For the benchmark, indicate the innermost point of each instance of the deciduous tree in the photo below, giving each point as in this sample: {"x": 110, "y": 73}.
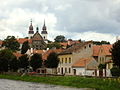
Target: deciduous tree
{"x": 52, "y": 60}
{"x": 11, "y": 43}
{"x": 25, "y": 47}
{"x": 36, "y": 61}
{"x": 115, "y": 51}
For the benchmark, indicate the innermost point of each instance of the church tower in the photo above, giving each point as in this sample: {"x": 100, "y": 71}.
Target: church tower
{"x": 30, "y": 32}
{"x": 44, "y": 32}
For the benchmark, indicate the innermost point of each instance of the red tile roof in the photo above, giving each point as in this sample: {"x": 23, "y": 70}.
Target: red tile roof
{"x": 96, "y": 50}
{"x": 46, "y": 54}
{"x": 107, "y": 49}
{"x": 104, "y": 48}
{"x": 38, "y": 51}
{"x": 1, "y": 42}
{"x": 75, "y": 47}
{"x": 64, "y": 43}
{"x": 22, "y": 40}
{"x": 82, "y": 62}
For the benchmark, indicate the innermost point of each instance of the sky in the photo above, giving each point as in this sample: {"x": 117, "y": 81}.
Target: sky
{"x": 75, "y": 19}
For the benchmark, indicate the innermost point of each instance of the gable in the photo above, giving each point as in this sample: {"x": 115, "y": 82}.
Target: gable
{"x": 37, "y": 36}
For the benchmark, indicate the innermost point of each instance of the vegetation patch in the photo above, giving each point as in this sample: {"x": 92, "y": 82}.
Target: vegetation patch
{"x": 72, "y": 81}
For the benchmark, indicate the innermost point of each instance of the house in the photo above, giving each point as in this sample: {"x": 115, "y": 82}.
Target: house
{"x": 85, "y": 66}
{"x": 102, "y": 55}
{"x": 72, "y": 55}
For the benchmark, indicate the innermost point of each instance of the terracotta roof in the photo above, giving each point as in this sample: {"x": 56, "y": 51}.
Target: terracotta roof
{"x": 75, "y": 47}
{"x": 46, "y": 54}
{"x": 107, "y": 49}
{"x": 18, "y": 54}
{"x": 82, "y": 62}
{"x": 96, "y": 50}
{"x": 22, "y": 40}
{"x": 38, "y": 51}
{"x": 1, "y": 42}
{"x": 64, "y": 43}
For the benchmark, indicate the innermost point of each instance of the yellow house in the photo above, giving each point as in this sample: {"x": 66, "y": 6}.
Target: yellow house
{"x": 72, "y": 55}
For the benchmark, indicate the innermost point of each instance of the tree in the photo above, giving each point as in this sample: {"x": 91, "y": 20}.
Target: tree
{"x": 6, "y": 56}
{"x": 25, "y": 47}
{"x": 36, "y": 61}
{"x": 102, "y": 66}
{"x": 14, "y": 64}
{"x": 100, "y": 43}
{"x": 54, "y": 44}
{"x": 23, "y": 61}
{"x": 115, "y": 51}
{"x": 11, "y": 43}
{"x": 60, "y": 38}
{"x": 52, "y": 60}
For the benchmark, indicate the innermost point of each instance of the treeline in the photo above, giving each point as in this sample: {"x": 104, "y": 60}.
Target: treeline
{"x": 9, "y": 62}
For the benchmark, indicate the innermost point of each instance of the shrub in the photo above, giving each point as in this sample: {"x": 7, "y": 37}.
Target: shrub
{"x": 115, "y": 71}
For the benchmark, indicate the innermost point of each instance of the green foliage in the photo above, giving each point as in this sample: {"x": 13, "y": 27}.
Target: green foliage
{"x": 23, "y": 61}
{"x": 14, "y": 64}
{"x": 100, "y": 43}
{"x": 102, "y": 66}
{"x": 116, "y": 53}
{"x": 36, "y": 61}
{"x": 115, "y": 71}
{"x": 60, "y": 38}
{"x": 52, "y": 60}
{"x": 25, "y": 47}
{"x": 11, "y": 43}
{"x": 52, "y": 45}
{"x": 6, "y": 56}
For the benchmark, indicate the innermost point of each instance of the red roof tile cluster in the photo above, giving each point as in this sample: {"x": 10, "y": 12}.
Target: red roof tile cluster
{"x": 46, "y": 54}
{"x": 75, "y": 47}
{"x": 96, "y": 50}
{"x": 22, "y": 40}
{"x": 82, "y": 62}
{"x": 1, "y": 42}
{"x": 105, "y": 49}
{"x": 38, "y": 51}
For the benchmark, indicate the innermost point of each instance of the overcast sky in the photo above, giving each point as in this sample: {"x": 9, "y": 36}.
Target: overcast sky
{"x": 75, "y": 19}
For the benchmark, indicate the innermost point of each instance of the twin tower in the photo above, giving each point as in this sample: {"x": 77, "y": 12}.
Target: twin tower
{"x": 43, "y": 32}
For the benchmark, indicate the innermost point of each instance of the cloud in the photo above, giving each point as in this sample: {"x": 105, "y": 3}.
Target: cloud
{"x": 72, "y": 18}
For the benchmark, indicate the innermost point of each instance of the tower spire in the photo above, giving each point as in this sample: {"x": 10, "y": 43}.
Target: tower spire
{"x": 30, "y": 32}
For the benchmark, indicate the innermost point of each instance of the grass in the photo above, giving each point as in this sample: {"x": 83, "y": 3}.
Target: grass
{"x": 72, "y": 81}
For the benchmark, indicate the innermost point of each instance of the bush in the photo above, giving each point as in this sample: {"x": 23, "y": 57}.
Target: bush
{"x": 115, "y": 71}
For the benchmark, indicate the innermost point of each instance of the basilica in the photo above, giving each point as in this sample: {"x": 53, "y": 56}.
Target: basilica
{"x": 36, "y": 40}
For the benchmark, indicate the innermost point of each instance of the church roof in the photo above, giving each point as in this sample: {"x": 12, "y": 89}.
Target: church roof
{"x": 37, "y": 36}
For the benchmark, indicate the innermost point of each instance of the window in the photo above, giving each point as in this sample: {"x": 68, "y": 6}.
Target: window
{"x": 65, "y": 70}
{"x": 69, "y": 60}
{"x": 62, "y": 60}
{"x": 69, "y": 70}
{"x": 89, "y": 45}
{"x": 65, "y": 60}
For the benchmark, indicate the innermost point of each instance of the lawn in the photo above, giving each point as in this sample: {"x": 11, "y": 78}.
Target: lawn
{"x": 72, "y": 81}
